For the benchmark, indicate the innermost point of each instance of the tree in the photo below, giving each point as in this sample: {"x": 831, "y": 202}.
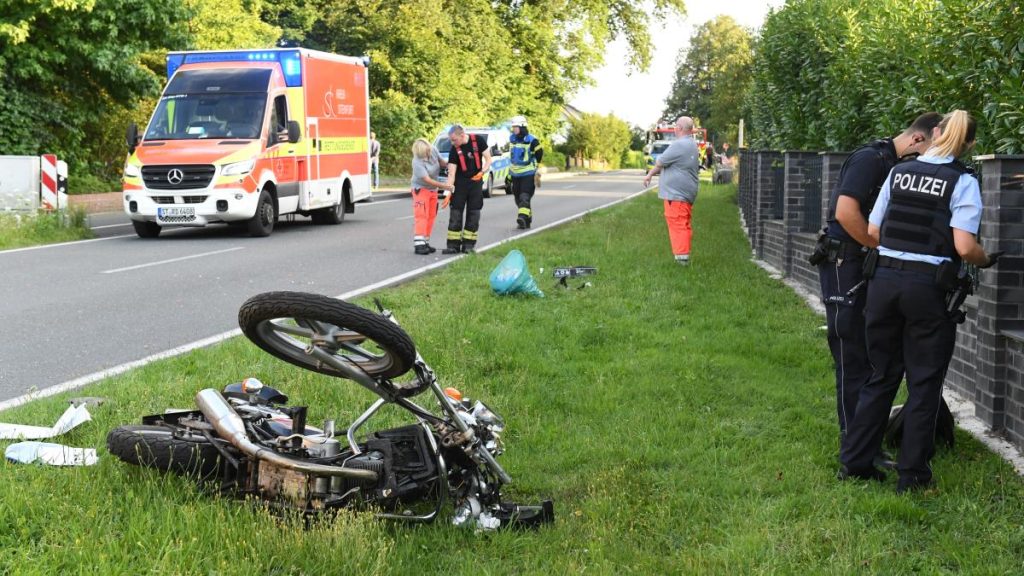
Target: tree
{"x": 64, "y": 64}
{"x": 713, "y": 77}
{"x": 597, "y": 137}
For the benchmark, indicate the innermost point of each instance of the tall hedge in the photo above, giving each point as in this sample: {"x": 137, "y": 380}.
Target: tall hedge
{"x": 835, "y": 73}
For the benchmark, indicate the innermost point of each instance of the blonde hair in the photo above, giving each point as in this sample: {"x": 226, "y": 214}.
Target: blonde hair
{"x": 421, "y": 148}
{"x": 957, "y": 134}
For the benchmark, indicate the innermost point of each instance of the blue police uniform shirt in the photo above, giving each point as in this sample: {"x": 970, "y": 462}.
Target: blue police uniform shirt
{"x": 965, "y": 206}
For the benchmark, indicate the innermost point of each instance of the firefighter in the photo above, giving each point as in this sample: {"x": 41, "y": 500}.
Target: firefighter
{"x": 840, "y": 255}
{"x": 468, "y": 162}
{"x": 527, "y": 153}
{"x": 924, "y": 221}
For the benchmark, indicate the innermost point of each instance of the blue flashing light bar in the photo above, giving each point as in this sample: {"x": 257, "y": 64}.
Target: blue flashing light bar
{"x": 290, "y": 61}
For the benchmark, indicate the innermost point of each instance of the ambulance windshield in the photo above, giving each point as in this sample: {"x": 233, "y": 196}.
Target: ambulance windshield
{"x": 190, "y": 117}
{"x": 211, "y": 103}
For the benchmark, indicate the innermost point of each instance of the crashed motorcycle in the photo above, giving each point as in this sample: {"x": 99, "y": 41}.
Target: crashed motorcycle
{"x": 248, "y": 440}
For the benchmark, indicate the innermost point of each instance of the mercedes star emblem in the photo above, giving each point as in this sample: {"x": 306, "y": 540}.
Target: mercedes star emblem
{"x": 175, "y": 176}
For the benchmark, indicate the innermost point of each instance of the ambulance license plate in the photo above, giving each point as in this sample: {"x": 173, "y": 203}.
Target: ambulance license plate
{"x": 175, "y": 212}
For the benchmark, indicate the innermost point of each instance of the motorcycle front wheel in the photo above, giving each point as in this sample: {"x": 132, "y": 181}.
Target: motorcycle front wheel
{"x": 290, "y": 325}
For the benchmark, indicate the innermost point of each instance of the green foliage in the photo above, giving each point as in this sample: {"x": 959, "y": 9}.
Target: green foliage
{"x": 835, "y": 73}
{"x": 63, "y": 67}
{"x": 554, "y": 158}
{"x": 34, "y": 228}
{"x": 397, "y": 123}
{"x": 713, "y": 77}
{"x": 597, "y": 137}
{"x": 633, "y": 159}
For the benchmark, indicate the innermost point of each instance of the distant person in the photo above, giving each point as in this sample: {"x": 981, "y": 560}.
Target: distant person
{"x": 426, "y": 169}
{"x": 725, "y": 150}
{"x": 375, "y": 159}
{"x": 526, "y": 156}
{"x": 925, "y": 224}
{"x": 680, "y": 163}
{"x": 710, "y": 157}
{"x": 468, "y": 162}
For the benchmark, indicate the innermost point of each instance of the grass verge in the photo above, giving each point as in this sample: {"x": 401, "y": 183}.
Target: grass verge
{"x": 681, "y": 418}
{"x": 28, "y": 229}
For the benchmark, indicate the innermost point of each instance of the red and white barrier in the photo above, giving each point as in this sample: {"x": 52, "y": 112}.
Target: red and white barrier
{"x": 48, "y": 197}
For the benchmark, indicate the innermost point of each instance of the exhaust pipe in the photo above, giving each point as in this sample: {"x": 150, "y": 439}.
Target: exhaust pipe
{"x": 229, "y": 426}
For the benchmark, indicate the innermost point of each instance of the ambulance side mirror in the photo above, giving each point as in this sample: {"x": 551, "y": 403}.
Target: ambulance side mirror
{"x": 294, "y": 131}
{"x": 132, "y": 137}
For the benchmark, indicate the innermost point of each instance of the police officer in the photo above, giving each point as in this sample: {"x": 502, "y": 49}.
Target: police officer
{"x": 841, "y": 251}
{"x": 468, "y": 162}
{"x": 925, "y": 220}
{"x": 526, "y": 156}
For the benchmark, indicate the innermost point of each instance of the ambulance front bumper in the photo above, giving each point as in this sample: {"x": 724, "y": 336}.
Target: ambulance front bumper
{"x": 190, "y": 207}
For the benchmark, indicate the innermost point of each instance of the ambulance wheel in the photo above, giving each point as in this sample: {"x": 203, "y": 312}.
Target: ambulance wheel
{"x": 331, "y": 214}
{"x": 146, "y": 229}
{"x": 490, "y": 186}
{"x": 262, "y": 223}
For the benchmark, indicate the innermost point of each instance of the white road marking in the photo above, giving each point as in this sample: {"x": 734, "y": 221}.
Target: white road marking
{"x": 110, "y": 226}
{"x": 44, "y": 246}
{"x": 405, "y": 218}
{"x": 136, "y": 267}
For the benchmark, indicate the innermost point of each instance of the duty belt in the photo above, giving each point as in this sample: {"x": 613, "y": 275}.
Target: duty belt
{"x": 911, "y": 265}
{"x": 846, "y": 249}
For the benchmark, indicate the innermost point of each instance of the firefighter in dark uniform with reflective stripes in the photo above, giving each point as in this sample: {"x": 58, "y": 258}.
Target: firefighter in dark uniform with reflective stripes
{"x": 925, "y": 221}
{"x": 526, "y": 156}
{"x": 468, "y": 163}
{"x": 841, "y": 249}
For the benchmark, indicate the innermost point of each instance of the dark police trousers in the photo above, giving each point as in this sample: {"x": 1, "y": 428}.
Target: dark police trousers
{"x": 907, "y": 325}
{"x": 467, "y": 201}
{"x": 845, "y": 319}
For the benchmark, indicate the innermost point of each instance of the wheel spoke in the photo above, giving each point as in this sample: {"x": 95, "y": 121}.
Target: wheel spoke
{"x": 294, "y": 330}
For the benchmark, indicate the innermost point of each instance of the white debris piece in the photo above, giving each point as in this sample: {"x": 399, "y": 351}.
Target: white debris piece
{"x": 71, "y": 417}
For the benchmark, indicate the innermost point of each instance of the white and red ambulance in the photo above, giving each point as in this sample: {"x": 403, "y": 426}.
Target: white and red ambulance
{"x": 245, "y": 136}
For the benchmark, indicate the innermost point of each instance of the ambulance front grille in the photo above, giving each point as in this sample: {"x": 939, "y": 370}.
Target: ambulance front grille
{"x": 184, "y": 199}
{"x": 177, "y": 176}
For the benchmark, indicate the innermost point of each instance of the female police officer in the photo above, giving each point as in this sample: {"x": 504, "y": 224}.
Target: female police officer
{"x": 925, "y": 221}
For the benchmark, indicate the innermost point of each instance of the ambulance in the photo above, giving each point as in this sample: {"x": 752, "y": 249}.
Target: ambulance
{"x": 244, "y": 136}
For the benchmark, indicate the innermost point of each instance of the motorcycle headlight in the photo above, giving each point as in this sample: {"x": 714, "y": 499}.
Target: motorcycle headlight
{"x": 238, "y": 168}
{"x": 131, "y": 171}
{"x": 486, "y": 416}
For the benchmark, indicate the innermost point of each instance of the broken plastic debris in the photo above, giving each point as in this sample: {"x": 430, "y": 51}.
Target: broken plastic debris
{"x": 71, "y": 417}
{"x": 52, "y": 454}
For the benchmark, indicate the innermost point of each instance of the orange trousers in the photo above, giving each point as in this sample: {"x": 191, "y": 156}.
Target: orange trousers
{"x": 424, "y": 211}
{"x": 677, "y": 216}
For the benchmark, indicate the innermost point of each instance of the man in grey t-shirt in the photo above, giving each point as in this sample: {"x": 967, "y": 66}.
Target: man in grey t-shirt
{"x": 678, "y": 186}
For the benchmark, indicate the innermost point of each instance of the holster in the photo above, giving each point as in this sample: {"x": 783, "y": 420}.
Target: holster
{"x": 870, "y": 264}
{"x": 947, "y": 276}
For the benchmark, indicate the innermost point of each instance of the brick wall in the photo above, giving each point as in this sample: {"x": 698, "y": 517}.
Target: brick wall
{"x": 962, "y": 371}
{"x": 774, "y": 244}
{"x": 800, "y": 269}
{"x": 1015, "y": 376}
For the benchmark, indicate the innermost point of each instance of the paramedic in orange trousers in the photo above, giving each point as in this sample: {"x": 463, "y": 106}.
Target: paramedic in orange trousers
{"x": 426, "y": 168}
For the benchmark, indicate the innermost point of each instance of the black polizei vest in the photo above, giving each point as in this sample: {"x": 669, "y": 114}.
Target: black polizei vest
{"x": 917, "y": 217}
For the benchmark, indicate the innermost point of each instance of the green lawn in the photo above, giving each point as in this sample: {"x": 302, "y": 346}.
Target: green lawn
{"x": 27, "y": 229}
{"x": 682, "y": 419}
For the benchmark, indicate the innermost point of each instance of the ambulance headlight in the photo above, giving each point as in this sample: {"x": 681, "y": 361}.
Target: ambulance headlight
{"x": 131, "y": 171}
{"x": 238, "y": 168}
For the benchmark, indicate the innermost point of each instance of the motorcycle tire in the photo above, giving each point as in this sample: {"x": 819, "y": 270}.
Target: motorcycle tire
{"x": 286, "y": 324}
{"x": 157, "y": 447}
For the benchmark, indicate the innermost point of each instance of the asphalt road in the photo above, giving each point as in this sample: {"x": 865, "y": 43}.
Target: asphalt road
{"x": 71, "y": 311}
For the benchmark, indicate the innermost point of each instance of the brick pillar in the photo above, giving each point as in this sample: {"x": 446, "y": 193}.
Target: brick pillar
{"x": 764, "y": 204}
{"x": 1001, "y": 289}
{"x": 831, "y": 163}
{"x": 797, "y": 186}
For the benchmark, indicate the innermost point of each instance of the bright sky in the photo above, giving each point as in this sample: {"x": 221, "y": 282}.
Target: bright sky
{"x": 640, "y": 98}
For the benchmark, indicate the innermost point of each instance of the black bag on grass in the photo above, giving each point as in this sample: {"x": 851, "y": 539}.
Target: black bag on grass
{"x": 943, "y": 427}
